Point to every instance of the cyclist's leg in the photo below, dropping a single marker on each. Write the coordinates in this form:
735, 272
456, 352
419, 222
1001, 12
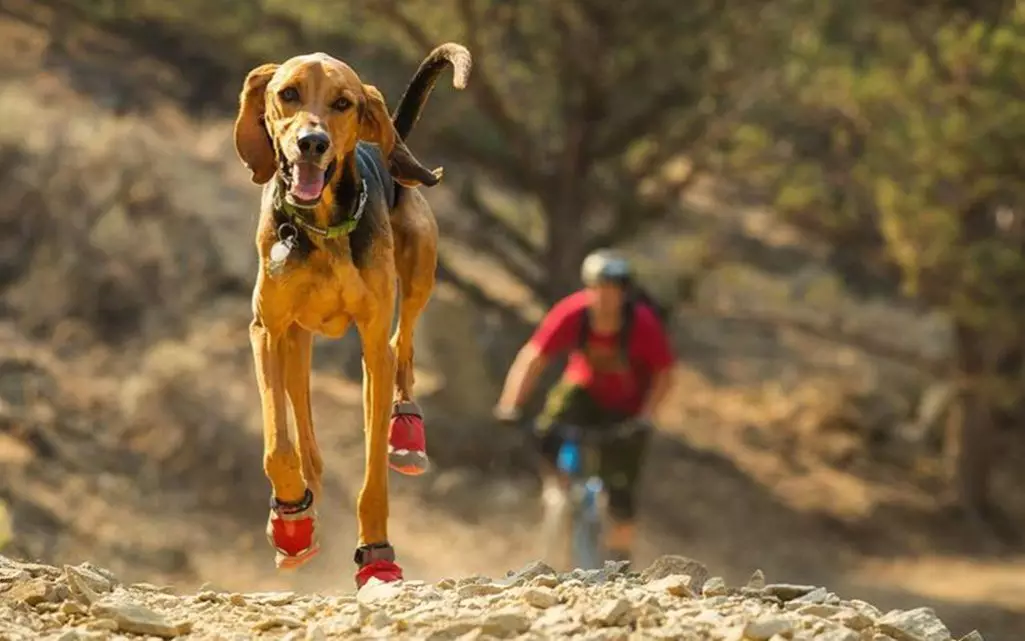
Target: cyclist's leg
554, 501
553, 482
621, 464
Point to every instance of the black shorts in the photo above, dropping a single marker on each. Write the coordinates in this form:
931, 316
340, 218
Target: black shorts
620, 461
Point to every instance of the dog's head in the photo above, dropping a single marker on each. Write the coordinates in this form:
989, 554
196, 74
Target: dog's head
303, 117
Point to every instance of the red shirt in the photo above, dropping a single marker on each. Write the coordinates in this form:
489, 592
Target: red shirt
614, 384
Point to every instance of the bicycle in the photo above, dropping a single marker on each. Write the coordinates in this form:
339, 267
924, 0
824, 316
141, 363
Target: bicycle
585, 510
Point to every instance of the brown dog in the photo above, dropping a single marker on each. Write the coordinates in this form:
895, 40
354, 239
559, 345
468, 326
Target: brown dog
341, 222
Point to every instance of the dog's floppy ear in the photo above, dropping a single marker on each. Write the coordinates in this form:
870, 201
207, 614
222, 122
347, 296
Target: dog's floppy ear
252, 140
376, 126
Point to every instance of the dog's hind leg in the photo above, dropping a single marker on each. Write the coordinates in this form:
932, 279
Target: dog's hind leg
375, 556
416, 258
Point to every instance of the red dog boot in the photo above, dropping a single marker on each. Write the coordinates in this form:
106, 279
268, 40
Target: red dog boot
407, 442
376, 560
292, 531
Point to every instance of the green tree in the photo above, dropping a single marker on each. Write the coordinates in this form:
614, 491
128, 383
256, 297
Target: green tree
898, 138
596, 115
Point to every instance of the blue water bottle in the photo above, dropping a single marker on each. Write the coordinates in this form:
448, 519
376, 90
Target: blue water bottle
568, 460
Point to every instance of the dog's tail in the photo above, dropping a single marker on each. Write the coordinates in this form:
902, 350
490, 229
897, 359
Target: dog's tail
420, 87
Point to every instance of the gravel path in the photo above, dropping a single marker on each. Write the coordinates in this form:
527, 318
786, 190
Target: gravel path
675, 598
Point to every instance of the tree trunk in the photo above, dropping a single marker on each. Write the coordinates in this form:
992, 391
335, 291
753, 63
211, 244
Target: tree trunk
564, 245
970, 430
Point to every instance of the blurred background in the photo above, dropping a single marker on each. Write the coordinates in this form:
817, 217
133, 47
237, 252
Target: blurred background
829, 193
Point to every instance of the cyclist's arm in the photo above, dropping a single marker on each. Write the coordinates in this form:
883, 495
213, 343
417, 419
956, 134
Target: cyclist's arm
556, 333
658, 356
522, 376
661, 383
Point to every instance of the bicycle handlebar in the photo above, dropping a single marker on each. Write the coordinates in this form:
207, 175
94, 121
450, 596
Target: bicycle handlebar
579, 434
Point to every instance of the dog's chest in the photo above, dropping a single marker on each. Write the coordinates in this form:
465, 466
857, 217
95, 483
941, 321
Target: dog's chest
326, 295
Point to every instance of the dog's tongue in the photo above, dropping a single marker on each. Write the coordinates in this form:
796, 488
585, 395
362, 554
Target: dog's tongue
307, 181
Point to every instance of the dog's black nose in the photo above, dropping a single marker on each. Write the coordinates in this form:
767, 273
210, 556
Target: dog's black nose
313, 144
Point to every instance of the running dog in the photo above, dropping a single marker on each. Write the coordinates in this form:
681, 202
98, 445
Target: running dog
342, 226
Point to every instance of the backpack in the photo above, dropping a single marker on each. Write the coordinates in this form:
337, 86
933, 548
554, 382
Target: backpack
635, 295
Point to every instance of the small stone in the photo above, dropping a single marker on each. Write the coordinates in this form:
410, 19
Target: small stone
445, 584
612, 612
544, 581
104, 572
38, 569
81, 589
14, 575
765, 627
479, 589
854, 620
276, 598
454, 631
136, 619
670, 564
974, 635
676, 585
208, 595
505, 623
315, 633
529, 571
838, 634
379, 620
86, 576
920, 624
757, 580
72, 608
540, 597
818, 595
32, 592
821, 610
150, 587
110, 625
277, 622
714, 586
236, 599
865, 608
787, 591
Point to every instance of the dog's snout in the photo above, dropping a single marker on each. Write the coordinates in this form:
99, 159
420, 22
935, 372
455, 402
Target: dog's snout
313, 144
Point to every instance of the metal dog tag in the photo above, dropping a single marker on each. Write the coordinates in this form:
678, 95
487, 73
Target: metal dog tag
280, 250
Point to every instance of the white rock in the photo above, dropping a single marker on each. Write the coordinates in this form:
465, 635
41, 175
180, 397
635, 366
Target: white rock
715, 586
765, 627
540, 597
920, 624
676, 585
137, 619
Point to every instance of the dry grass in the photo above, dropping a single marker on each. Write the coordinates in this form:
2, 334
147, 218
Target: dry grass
109, 228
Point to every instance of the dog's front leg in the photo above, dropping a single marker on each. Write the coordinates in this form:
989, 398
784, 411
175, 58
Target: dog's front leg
291, 526
375, 555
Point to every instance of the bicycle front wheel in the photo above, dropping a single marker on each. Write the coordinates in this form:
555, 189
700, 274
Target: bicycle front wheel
586, 532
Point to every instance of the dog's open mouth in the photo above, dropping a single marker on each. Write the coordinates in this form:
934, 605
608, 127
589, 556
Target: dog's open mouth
304, 182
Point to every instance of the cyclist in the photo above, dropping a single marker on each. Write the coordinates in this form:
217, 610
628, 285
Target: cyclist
619, 370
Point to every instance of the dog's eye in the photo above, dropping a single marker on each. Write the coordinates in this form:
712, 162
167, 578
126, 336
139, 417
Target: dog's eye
289, 94
341, 104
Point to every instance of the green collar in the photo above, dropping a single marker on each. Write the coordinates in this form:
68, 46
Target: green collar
298, 215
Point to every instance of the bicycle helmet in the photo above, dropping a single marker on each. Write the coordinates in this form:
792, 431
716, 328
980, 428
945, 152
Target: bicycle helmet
604, 266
